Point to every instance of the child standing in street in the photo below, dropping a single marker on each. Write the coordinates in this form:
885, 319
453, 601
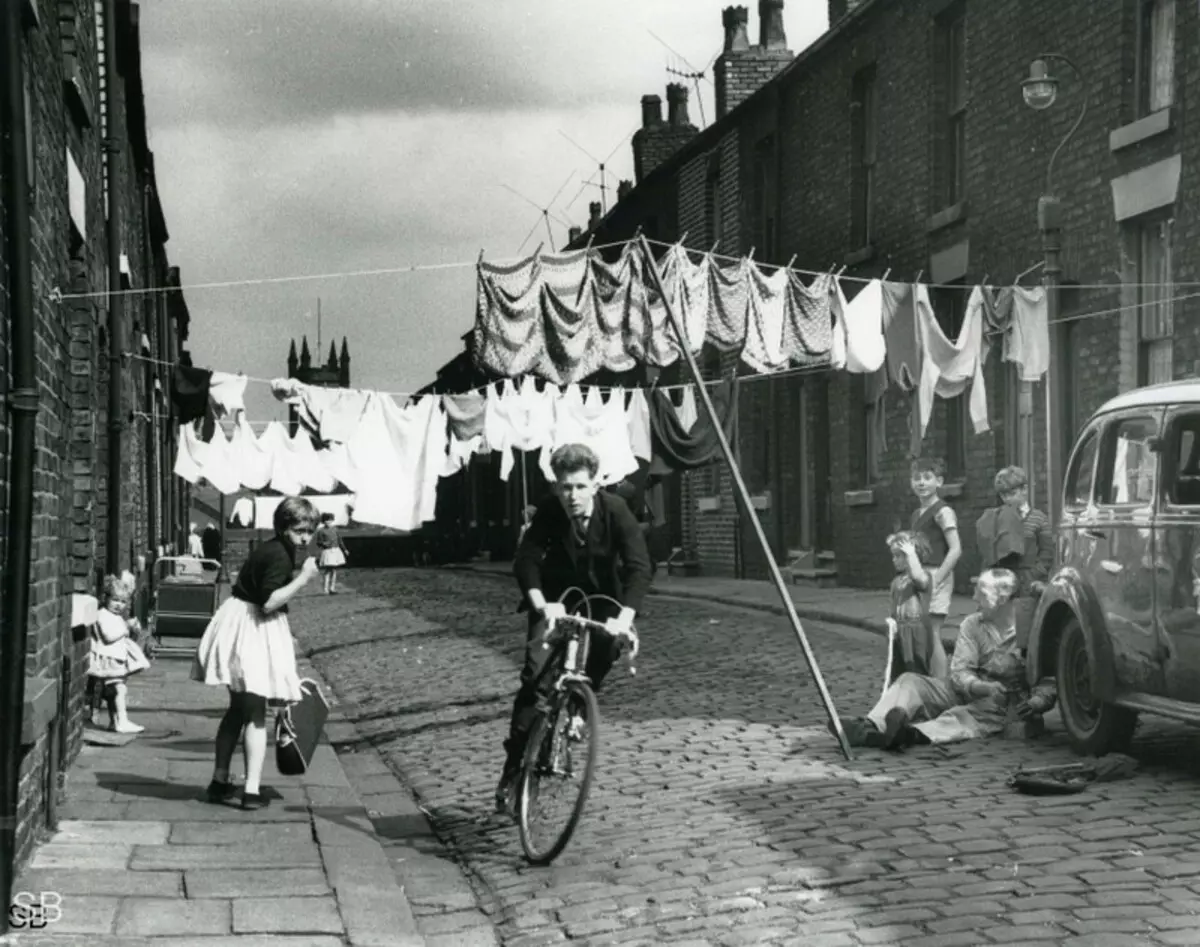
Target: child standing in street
114, 655
248, 649
935, 520
331, 553
917, 644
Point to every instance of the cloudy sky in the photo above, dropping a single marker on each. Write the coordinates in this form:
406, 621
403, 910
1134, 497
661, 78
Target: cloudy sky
309, 137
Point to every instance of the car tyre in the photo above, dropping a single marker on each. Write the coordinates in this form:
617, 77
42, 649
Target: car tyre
1093, 726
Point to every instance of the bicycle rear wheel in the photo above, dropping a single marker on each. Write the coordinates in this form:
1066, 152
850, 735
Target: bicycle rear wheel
560, 760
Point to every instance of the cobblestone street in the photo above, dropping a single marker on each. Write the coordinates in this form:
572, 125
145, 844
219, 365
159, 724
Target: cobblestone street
723, 812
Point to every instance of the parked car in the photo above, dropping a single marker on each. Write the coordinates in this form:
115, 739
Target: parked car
1119, 624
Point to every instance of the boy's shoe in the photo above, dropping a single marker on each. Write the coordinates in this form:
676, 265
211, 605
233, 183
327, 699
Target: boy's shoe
252, 801
505, 795
220, 793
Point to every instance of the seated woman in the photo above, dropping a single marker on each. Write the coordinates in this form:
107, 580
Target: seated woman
985, 692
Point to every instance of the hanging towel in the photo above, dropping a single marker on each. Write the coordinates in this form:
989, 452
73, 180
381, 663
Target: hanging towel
1028, 341
637, 420
863, 320
220, 470
285, 475
190, 454
465, 413
312, 473
599, 424
518, 419
679, 449
947, 368
900, 332
808, 320
729, 295
333, 414
243, 513
837, 344
764, 349
227, 394
252, 463
264, 512
189, 392
687, 411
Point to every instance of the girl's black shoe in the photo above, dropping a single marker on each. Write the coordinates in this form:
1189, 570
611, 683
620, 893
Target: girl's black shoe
219, 792
254, 800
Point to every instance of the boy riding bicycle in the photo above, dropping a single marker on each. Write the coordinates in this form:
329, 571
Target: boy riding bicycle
579, 539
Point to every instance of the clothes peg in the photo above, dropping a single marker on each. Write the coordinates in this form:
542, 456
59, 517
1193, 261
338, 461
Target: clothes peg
886, 273
538, 250
841, 271
683, 239
637, 233
480, 260
917, 278
750, 255
714, 248
986, 277
790, 262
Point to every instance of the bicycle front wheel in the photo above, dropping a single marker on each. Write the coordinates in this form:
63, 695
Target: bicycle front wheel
560, 759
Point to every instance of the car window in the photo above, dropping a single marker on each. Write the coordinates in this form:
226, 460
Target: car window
1183, 452
1079, 478
1126, 473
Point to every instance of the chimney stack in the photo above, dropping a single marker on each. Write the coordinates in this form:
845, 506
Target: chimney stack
742, 69
651, 111
624, 189
573, 234
840, 8
770, 25
736, 21
594, 211
677, 105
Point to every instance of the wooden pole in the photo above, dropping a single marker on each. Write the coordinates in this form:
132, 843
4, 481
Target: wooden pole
747, 503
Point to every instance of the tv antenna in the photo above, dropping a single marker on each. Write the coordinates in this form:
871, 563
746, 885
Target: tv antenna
690, 73
600, 169
545, 211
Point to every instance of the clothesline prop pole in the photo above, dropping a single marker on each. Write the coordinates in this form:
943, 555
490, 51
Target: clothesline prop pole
524, 487
747, 503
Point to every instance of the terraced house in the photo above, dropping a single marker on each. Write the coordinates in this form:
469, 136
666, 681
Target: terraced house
85, 435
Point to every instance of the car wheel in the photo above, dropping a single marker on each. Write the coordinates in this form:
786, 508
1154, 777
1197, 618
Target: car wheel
1093, 726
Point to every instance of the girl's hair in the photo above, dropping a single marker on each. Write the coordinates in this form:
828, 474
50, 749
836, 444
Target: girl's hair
999, 585
1010, 479
116, 588
327, 517
920, 544
573, 457
293, 512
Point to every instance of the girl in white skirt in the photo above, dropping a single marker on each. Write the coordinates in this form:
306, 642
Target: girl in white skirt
248, 649
331, 552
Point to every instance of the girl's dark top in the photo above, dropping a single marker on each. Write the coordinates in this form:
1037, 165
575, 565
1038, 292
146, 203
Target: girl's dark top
326, 537
927, 525
269, 568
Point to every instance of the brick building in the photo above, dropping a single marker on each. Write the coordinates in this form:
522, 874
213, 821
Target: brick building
78, 117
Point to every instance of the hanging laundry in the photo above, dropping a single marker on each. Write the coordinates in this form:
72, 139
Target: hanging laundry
310, 469
688, 285
678, 449
227, 394
189, 392
637, 421
252, 462
1028, 341
330, 414
459, 454
243, 513
339, 504
286, 477
518, 419
947, 368
862, 319
190, 454
397, 455
687, 411
599, 424
808, 320
768, 296
219, 468
729, 296
900, 302
465, 413
264, 512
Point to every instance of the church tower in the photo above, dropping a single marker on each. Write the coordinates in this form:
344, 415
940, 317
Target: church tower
335, 373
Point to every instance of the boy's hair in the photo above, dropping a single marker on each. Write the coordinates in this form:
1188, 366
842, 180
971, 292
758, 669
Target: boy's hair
1010, 479
327, 517
1002, 584
574, 457
920, 544
293, 512
116, 588
933, 465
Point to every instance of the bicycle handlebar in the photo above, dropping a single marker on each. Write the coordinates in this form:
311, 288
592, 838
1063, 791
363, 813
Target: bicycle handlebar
584, 622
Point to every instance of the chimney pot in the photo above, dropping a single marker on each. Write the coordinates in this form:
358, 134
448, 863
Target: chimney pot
624, 189
573, 234
770, 23
651, 111
677, 105
736, 21
594, 211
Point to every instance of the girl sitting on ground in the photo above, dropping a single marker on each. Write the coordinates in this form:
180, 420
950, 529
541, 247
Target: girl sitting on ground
113, 655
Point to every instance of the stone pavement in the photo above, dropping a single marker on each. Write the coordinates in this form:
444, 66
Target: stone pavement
139, 858
857, 608
723, 812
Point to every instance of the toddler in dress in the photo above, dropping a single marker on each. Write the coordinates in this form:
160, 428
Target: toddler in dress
114, 655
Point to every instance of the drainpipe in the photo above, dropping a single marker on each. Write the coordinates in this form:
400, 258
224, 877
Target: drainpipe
116, 302
22, 406
149, 308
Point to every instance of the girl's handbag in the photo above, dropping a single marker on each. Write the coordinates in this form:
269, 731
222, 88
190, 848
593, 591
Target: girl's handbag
298, 729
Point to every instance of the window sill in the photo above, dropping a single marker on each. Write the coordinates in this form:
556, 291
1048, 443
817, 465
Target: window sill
950, 491
862, 255
853, 498
708, 504
761, 502
1143, 129
955, 213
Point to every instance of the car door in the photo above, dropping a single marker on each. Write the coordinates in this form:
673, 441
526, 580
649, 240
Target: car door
1070, 551
1177, 541
1115, 551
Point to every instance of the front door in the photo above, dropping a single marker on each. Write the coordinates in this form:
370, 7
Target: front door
1115, 547
1178, 554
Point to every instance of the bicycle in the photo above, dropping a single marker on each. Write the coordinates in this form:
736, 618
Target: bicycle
564, 742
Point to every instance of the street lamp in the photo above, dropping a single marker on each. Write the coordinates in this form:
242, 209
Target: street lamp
1040, 91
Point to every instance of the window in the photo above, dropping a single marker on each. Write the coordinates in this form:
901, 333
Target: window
1125, 475
950, 307
874, 418
864, 134
1155, 55
1182, 479
763, 198
1156, 321
951, 134
1079, 478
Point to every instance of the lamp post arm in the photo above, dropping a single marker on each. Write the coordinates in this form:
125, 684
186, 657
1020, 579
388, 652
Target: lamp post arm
1078, 121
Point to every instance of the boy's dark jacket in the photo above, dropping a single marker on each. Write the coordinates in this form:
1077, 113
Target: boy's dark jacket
615, 558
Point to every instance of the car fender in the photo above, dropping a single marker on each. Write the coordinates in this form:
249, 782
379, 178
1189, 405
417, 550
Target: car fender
1069, 594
